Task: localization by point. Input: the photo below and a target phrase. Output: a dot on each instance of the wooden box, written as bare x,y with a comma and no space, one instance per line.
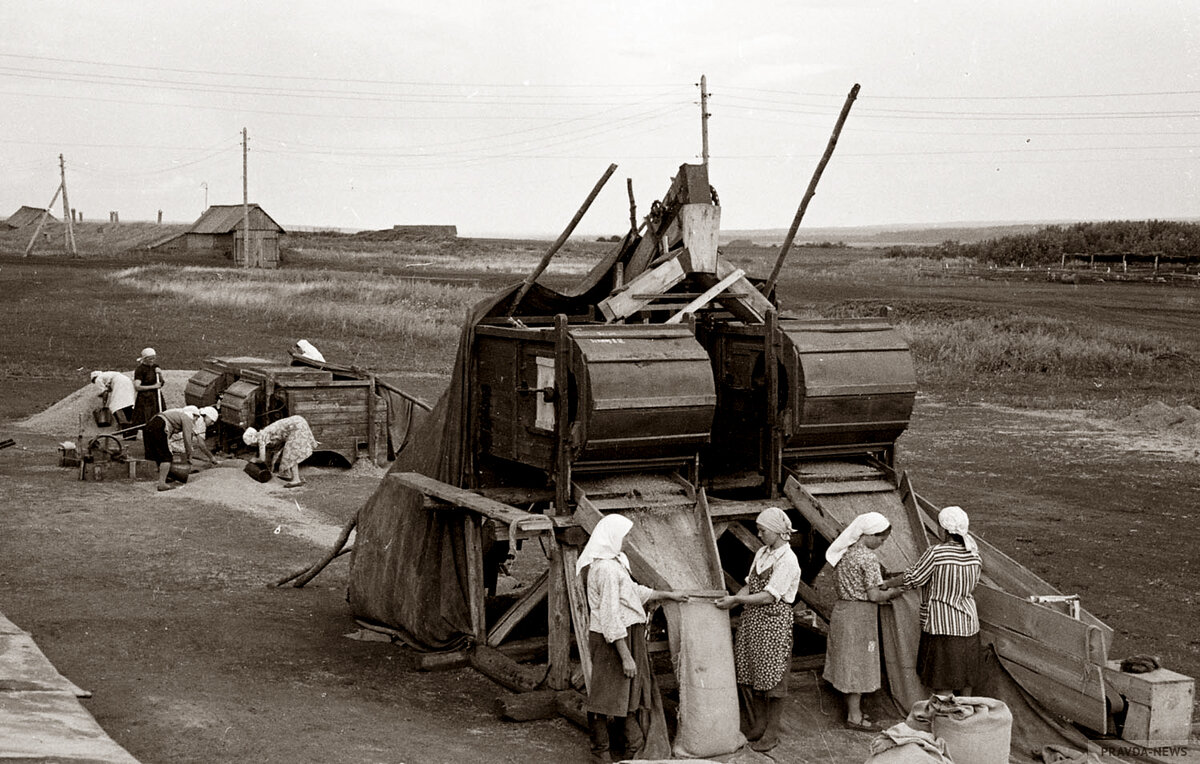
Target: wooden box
1159,704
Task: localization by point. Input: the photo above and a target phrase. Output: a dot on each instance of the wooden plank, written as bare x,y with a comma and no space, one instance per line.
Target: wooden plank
460,497
744,535
915,521
659,279
699,226
503,670
1079,698
1053,629
821,521
528,600
577,599
705,297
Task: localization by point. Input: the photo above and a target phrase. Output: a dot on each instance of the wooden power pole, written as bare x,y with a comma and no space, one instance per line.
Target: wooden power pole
704,115
245,207
69,230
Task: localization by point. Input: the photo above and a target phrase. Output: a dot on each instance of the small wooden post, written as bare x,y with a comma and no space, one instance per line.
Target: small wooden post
633,224
372,450
69,233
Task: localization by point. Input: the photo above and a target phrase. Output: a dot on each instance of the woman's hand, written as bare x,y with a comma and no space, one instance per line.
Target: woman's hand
728,602
629,666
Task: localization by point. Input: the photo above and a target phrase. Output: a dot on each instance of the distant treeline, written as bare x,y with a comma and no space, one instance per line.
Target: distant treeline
1047,245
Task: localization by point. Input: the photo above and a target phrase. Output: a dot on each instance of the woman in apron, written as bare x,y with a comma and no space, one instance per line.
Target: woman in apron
852,651
762,649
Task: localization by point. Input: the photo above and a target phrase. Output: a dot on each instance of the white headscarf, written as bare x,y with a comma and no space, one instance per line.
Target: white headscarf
955,520
776,520
250,436
95,374
209,413
146,353
308,351
866,524
605,542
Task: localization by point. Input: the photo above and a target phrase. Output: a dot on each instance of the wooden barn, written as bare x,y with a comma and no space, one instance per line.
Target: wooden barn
26,216
219,230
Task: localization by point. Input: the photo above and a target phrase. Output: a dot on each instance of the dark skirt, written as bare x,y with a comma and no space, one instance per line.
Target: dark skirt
611,692
948,663
154,437
145,406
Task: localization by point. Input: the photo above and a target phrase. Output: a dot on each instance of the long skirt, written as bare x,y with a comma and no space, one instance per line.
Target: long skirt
852,650
154,437
948,663
612,693
762,649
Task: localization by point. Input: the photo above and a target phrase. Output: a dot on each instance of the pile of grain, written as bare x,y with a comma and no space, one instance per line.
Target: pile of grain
1182,421
63,418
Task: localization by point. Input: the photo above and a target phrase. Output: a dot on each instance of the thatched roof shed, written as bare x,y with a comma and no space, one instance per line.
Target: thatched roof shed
27,216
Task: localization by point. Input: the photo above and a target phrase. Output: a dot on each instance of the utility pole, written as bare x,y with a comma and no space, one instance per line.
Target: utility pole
69,231
245,208
704,115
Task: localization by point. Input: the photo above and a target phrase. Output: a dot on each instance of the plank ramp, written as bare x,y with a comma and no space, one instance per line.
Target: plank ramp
41,718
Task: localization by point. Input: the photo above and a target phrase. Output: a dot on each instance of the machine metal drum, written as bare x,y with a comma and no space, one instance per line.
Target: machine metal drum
638,396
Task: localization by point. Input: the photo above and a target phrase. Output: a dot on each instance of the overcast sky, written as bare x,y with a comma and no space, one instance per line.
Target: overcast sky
499,117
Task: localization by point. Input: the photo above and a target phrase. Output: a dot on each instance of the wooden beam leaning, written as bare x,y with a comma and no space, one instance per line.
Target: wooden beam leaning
577,598
558,638
706,297
528,600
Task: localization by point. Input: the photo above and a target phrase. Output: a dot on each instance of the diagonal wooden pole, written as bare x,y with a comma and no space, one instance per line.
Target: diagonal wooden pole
532,277
812,189
42,220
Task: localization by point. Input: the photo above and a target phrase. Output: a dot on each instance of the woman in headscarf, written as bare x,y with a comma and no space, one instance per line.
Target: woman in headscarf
852,650
202,419
762,650
296,439
117,394
157,436
622,689
948,656
148,381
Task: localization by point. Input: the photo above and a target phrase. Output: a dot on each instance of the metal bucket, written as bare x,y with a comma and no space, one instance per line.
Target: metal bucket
103,417
179,471
258,471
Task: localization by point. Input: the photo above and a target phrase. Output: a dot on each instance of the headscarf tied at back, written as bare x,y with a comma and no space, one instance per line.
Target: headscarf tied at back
209,413
955,520
147,353
866,524
250,436
775,520
605,542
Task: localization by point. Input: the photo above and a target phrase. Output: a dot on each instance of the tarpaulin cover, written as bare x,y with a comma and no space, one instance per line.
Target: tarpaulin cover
409,568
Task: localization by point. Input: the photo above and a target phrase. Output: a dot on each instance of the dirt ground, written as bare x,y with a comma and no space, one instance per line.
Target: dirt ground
159,604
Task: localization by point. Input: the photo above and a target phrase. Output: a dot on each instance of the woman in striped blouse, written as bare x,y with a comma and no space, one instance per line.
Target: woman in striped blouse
948,656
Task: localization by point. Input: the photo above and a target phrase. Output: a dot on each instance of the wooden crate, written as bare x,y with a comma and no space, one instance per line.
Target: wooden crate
1159,704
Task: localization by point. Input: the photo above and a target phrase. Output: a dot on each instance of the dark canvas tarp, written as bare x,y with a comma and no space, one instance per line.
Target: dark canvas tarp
408,569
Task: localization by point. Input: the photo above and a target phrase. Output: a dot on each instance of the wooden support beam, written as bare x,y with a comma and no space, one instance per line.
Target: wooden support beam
558,606
475,587
528,600
505,671
519,650
461,497
704,520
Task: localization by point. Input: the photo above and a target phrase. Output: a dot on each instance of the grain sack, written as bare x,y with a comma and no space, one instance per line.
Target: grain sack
977,730
708,701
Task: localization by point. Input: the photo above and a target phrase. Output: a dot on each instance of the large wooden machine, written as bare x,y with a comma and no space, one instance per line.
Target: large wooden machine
671,388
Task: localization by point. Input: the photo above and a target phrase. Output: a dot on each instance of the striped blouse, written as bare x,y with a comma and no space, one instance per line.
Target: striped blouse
948,572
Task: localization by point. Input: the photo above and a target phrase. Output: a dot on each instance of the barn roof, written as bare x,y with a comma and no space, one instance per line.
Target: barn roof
226,218
26,216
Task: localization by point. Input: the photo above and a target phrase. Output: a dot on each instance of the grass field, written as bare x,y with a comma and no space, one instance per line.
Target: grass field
396,307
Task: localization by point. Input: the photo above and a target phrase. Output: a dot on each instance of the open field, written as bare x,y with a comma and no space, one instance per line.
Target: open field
156,603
